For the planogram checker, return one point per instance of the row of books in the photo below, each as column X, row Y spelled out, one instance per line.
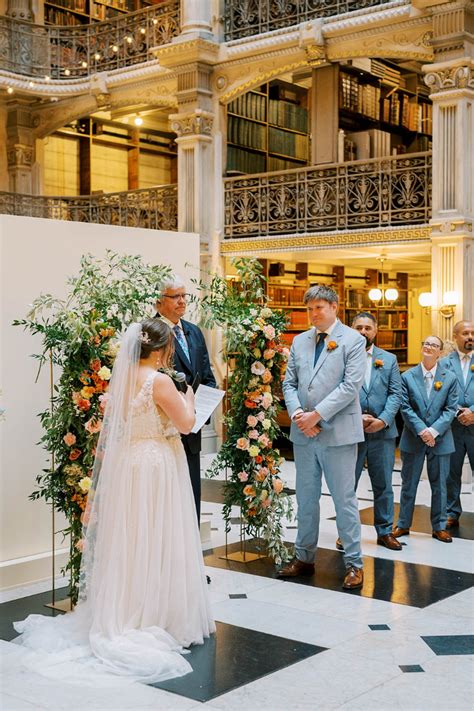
column 286, row 295
column 52, row 16
column 250, row 105
column 288, row 115
column 373, row 143
column 77, row 5
column 288, row 144
column 246, row 133
column 298, row 319
column 389, row 75
column 392, row 339
column 393, row 320
column 242, row 161
column 275, row 164
column 361, row 98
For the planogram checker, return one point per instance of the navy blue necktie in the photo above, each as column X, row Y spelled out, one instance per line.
column 319, row 347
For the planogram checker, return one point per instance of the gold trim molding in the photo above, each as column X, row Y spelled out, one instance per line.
column 326, row 240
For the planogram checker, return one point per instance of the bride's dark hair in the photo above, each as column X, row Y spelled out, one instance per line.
column 156, row 336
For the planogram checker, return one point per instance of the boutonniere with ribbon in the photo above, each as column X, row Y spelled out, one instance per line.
column 332, row 345
column 378, row 363
column 437, row 385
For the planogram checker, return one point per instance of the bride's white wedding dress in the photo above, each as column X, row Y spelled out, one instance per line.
column 147, row 594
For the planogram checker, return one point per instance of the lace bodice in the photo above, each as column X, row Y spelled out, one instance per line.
column 148, row 420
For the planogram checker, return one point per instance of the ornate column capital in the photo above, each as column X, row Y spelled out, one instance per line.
column 193, row 123
column 449, row 77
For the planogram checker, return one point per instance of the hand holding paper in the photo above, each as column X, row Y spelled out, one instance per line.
column 206, row 401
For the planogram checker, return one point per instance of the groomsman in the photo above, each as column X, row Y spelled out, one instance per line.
column 461, row 363
column 191, row 358
column 380, row 399
column 325, row 371
column 429, row 404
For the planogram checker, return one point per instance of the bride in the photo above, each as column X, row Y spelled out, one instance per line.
column 143, row 592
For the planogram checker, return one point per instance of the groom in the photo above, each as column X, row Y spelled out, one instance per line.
column 325, row 372
column 191, row 358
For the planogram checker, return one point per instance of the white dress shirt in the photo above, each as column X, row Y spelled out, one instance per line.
column 465, row 360
column 431, row 379
column 368, row 372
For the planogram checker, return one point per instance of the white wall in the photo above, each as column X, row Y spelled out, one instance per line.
column 37, row 256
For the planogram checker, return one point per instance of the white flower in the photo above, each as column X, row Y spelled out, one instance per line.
column 104, row 373
column 266, row 424
column 257, row 368
column 266, row 312
column 85, row 483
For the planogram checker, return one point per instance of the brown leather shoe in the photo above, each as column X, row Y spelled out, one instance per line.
column 389, row 541
column 452, row 523
column 397, row 532
column 354, row 578
column 296, row 567
column 442, row 536
column 339, row 545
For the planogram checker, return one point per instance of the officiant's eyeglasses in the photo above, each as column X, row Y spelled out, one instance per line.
column 175, row 297
column 428, row 344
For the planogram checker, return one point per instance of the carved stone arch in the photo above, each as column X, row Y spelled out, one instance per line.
column 250, row 77
column 55, row 116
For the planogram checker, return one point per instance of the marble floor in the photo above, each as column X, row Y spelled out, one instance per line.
column 405, row 641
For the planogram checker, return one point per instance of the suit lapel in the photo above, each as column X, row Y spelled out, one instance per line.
column 420, row 383
column 456, row 363
column 325, row 352
column 310, row 345
column 374, row 372
column 441, row 375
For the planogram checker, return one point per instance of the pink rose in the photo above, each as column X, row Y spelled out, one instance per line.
column 264, row 440
column 261, row 416
column 277, row 485
column 69, row 439
column 257, row 368
column 243, row 476
column 253, row 434
column 93, row 426
column 252, row 421
column 266, row 400
column 269, row 331
column 242, row 443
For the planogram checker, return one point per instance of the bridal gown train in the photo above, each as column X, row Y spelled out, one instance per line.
column 150, row 599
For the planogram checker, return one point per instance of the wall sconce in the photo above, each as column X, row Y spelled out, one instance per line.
column 425, row 299
column 375, row 294
column 138, row 120
column 391, row 294
column 450, row 301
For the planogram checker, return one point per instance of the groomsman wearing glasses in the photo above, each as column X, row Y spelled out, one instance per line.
column 429, row 405
column 461, row 363
column 190, row 357
column 380, row 398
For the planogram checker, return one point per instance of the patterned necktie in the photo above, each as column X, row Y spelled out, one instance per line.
column 178, row 332
column 428, row 383
column 319, row 347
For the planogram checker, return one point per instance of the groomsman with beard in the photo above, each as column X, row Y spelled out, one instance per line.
column 190, row 357
column 461, row 363
column 380, row 398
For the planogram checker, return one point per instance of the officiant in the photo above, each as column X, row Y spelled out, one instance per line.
column 190, row 357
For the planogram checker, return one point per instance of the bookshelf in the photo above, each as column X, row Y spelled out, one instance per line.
column 382, row 110
column 68, row 13
column 267, row 129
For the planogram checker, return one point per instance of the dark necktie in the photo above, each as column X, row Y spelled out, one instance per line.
column 319, row 347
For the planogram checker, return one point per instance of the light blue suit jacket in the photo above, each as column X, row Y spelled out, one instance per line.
column 331, row 387
column 383, row 397
column 466, row 389
column 419, row 412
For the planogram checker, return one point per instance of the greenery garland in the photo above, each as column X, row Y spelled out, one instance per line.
column 257, row 360
column 78, row 334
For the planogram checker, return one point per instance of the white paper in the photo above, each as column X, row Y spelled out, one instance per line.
column 206, row 400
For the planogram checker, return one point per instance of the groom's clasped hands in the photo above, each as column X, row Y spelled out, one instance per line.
column 307, row 422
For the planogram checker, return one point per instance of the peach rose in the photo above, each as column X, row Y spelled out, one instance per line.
column 93, row 425
column 264, row 440
column 269, row 331
column 252, row 421
column 268, row 353
column 69, row 439
column 253, row 434
column 249, row 491
column 242, row 443
column 267, row 377
column 277, row 485
column 95, row 365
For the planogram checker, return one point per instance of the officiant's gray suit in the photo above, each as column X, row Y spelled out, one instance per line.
column 331, row 387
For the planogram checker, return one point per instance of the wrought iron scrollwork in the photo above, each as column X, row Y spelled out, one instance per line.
column 381, row 192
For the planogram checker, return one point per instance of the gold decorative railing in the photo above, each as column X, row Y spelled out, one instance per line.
column 72, row 52
column 382, row 192
column 152, row 208
column 243, row 18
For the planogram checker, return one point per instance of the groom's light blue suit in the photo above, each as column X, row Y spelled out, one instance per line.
column 332, row 388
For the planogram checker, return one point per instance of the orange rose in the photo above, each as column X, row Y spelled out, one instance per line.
column 95, row 365
column 332, row 345
column 249, row 491
column 83, row 404
column 250, row 405
column 259, row 459
column 87, row 392
column 84, row 377
column 378, row 363
column 69, row 439
column 74, row 454
column 438, row 385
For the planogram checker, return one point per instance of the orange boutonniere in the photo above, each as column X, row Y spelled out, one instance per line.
column 472, row 368
column 438, row 385
column 378, row 363
column 332, row 345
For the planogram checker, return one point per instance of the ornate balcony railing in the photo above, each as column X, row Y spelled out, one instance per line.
column 73, row 52
column 243, row 18
column 371, row 193
column 152, row 208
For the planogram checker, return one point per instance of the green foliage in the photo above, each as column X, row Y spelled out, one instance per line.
column 257, row 359
column 78, row 336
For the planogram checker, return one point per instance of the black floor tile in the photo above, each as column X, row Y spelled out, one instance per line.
column 379, row 628
column 235, row 656
column 422, row 524
column 411, row 668
column 16, row 610
column 384, row 579
column 451, row 644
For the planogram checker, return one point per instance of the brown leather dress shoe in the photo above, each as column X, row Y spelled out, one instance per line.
column 397, row 532
column 354, row 578
column 452, row 523
column 296, row 567
column 389, row 541
column 339, row 545
column 442, row 536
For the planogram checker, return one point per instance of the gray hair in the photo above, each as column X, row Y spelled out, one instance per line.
column 172, row 281
column 319, row 291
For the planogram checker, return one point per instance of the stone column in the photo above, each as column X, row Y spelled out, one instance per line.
column 451, row 81
column 196, row 18
column 20, row 10
column 20, row 149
